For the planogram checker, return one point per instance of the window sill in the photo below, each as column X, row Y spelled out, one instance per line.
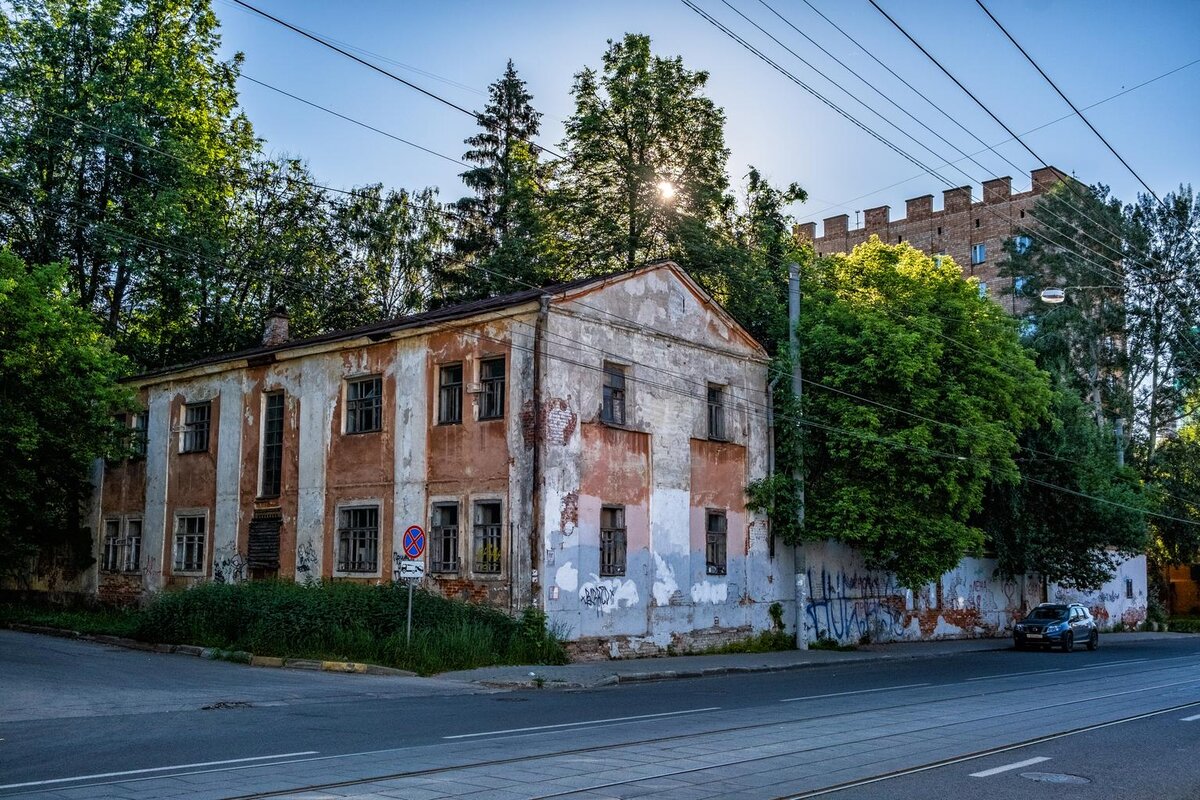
column 179, row 573
column 192, row 452
column 266, row 498
column 361, row 433
column 448, row 423
column 375, row 574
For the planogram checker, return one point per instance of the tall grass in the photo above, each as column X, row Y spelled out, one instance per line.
column 344, row 622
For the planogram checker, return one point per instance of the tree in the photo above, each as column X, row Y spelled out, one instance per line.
column 120, row 144
column 1175, row 486
column 646, row 157
column 58, row 397
column 394, row 246
column 1077, row 536
column 1125, row 335
column 504, row 234
column 915, row 392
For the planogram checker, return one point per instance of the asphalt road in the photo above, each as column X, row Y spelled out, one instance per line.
column 81, row 720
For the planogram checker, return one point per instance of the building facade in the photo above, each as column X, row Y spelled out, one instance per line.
column 560, row 448
column 971, row 232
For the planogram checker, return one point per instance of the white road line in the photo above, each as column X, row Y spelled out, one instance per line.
column 581, row 723
column 860, row 691
column 987, row 773
column 1045, row 671
column 1192, row 718
column 155, row 769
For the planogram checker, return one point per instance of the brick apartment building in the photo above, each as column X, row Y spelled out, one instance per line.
column 972, row 233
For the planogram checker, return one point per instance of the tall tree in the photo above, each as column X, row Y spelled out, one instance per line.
column 1074, row 537
column 1125, row 334
column 394, row 244
column 119, row 146
column 916, row 391
column 504, row 236
column 646, row 159
column 58, row 397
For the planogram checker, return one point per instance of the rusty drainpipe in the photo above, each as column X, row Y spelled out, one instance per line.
column 535, row 544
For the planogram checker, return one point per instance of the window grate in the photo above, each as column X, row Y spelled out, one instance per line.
column 358, row 539
column 487, row 537
column 196, row 420
column 364, row 405
column 112, row 546
column 443, row 538
column 715, row 542
column 612, row 541
column 450, row 394
column 491, row 375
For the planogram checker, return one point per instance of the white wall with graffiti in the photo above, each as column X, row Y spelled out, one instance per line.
column 848, row 603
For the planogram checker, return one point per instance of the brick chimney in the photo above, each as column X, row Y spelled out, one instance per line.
column 276, row 330
column 837, row 226
column 918, row 207
column 877, row 218
column 997, row 190
column 1046, row 177
column 805, row 231
column 958, row 199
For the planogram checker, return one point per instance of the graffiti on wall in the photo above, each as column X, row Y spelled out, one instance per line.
column 306, row 563
column 606, row 596
column 848, row 606
column 230, row 569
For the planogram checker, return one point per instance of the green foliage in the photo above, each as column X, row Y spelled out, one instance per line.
column 351, row 622
column 1069, row 539
column 945, row 388
column 1184, row 624
column 108, row 622
column 639, row 122
column 1175, row 476
column 779, row 495
column 823, row 642
column 764, row 642
column 58, row 398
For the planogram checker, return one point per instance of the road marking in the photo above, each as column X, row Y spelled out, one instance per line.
column 1192, row 718
column 860, row 691
column 583, row 722
column 155, row 769
column 1046, row 671
column 987, row 773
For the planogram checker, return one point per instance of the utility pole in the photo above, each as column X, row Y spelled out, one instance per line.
column 800, row 564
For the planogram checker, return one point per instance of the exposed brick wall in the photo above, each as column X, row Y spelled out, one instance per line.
column 953, row 230
column 605, row 648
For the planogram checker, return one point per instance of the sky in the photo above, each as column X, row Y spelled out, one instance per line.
column 1092, row 49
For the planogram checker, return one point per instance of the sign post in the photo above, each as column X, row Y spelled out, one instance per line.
column 413, row 569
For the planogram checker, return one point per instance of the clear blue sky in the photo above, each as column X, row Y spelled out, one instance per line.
column 1092, row 49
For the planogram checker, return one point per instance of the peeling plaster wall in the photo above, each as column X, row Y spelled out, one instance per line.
column 1121, row 600
column 659, row 466
column 847, row 602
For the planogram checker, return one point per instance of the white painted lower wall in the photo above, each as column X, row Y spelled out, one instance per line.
column 848, row 603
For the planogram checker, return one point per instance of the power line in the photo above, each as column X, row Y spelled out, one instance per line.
column 326, row 43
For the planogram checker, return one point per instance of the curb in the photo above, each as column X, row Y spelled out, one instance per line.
column 216, row 654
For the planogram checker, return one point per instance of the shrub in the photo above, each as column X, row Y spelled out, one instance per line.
column 1185, row 624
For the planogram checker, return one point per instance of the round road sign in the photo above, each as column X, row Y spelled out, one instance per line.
column 414, row 541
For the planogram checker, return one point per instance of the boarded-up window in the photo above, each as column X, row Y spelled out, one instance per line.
column 612, row 541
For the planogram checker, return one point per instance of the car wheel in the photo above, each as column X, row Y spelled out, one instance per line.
column 1068, row 642
column 1093, row 640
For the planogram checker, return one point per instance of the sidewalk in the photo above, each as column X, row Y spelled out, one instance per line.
column 593, row 674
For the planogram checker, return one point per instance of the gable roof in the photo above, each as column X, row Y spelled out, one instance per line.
column 563, row 291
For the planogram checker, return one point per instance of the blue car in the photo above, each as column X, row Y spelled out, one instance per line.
column 1057, row 625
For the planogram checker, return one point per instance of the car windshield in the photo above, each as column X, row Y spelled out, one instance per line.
column 1044, row 614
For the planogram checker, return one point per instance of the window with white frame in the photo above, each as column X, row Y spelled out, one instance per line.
column 612, row 541
column 716, row 412
column 133, row 545
column 488, row 527
column 978, row 253
column 1021, row 244
column 450, row 394
column 191, row 538
column 443, row 538
column 111, row 560
column 715, row 541
column 491, row 379
column 197, row 418
column 612, row 407
column 358, row 539
column 364, row 404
